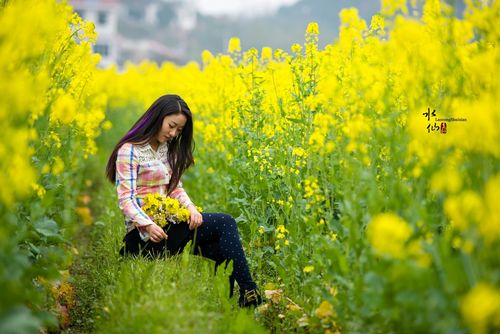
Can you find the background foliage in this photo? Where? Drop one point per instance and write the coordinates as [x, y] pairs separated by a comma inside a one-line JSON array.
[[354, 215]]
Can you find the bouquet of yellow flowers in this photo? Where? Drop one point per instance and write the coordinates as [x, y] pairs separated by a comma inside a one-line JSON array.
[[165, 210]]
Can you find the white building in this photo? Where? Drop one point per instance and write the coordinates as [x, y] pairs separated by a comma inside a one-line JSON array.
[[104, 14], [119, 24]]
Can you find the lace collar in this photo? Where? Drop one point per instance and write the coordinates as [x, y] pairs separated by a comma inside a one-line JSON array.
[[145, 152]]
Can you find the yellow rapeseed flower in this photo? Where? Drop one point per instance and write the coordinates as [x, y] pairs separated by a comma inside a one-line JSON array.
[[85, 214], [206, 56], [281, 229], [164, 210], [481, 307], [89, 31], [388, 233], [325, 310], [296, 48], [40, 190], [464, 208], [107, 125], [378, 24], [308, 269], [64, 110], [447, 179], [490, 226], [267, 53], [234, 45], [312, 28], [58, 166]]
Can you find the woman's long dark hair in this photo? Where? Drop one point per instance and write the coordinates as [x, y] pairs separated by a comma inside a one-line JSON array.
[[180, 148]]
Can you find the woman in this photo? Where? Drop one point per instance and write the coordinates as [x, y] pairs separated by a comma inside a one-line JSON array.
[[151, 158]]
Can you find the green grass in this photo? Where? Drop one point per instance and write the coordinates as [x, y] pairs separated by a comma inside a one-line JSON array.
[[180, 294]]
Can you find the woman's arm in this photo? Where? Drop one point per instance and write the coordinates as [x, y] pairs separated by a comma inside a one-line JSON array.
[[126, 180]]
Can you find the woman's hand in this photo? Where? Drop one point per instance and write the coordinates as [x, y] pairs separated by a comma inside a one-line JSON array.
[[156, 233], [195, 219]]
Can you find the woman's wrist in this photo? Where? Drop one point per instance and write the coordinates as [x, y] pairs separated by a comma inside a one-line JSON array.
[[145, 227]]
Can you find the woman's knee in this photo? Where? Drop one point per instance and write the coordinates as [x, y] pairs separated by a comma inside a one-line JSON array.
[[218, 222], [228, 221], [218, 217], [226, 218]]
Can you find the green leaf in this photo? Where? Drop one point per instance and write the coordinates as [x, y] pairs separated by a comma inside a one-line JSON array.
[[20, 320], [47, 227]]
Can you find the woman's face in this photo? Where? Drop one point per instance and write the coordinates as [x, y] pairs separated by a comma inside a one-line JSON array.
[[171, 127]]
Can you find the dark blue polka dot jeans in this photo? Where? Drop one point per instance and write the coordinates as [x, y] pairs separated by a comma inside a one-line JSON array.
[[217, 238]]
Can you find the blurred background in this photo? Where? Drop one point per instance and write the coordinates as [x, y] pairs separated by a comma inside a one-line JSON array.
[[179, 30]]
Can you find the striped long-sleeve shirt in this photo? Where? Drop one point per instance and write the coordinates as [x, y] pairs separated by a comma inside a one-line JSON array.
[[140, 171]]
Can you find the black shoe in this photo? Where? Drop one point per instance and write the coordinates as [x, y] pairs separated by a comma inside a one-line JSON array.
[[250, 298]]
